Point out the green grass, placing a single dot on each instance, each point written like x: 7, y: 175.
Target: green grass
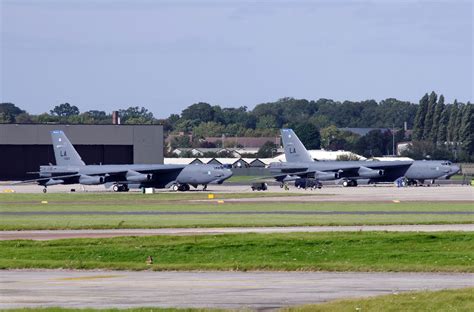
x: 132, y: 197
x: 460, y: 177
x: 208, y: 221
x: 103, y: 221
x: 359, y: 251
x: 446, y: 300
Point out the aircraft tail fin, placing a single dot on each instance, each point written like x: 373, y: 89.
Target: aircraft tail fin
x: 294, y: 149
x: 64, y: 152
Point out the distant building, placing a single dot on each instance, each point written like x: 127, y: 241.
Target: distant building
x: 326, y: 155
x: 235, y: 152
x: 402, y: 147
x: 391, y: 158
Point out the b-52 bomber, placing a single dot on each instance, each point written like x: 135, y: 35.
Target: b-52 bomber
x: 70, y: 169
x: 299, y: 165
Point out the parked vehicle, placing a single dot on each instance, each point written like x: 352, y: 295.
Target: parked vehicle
x: 259, y: 186
x: 308, y: 183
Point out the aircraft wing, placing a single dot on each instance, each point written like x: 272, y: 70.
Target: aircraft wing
x: 47, y: 178
x: 123, y: 170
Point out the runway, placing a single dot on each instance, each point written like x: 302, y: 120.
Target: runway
x: 233, y: 290
x: 63, y: 234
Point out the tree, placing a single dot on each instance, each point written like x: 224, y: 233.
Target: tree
x: 419, y: 122
x: 181, y: 141
x: 439, y: 108
x: 308, y: 134
x: 65, y: 110
x: 208, y: 129
x: 373, y: 144
x: 451, y: 133
x: 8, y: 112
x: 332, y: 138
x: 466, y: 132
x: 419, y: 150
x: 267, y: 150
x: 429, y: 116
x: 201, y: 112
x: 136, y: 115
x: 443, y: 126
x: 23, y: 118
x: 266, y: 122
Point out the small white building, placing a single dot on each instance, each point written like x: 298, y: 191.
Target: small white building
x: 324, y: 155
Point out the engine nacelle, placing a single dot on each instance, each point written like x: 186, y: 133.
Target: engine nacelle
x: 368, y: 173
x: 325, y: 176
x: 91, y: 180
x: 54, y: 182
x: 134, y: 176
x: 139, y: 178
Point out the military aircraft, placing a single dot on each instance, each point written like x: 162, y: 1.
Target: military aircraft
x: 300, y: 165
x: 70, y: 169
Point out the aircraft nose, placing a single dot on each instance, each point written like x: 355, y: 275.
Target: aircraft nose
x: 455, y: 169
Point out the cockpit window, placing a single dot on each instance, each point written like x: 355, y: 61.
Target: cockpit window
x: 446, y: 163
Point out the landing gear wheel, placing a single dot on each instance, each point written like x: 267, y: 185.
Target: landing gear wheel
x: 183, y: 187
x: 345, y: 183
x: 45, y: 190
x: 115, y: 188
x: 175, y: 187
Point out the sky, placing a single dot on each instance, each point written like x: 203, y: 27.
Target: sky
x: 167, y: 55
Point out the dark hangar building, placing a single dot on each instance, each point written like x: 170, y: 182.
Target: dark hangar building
x: 24, y: 147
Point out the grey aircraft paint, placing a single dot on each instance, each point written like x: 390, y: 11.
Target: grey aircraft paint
x: 300, y: 165
x: 70, y: 169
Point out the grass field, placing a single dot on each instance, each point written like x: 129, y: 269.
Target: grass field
x: 377, y: 251
x: 132, y: 197
x: 90, y: 211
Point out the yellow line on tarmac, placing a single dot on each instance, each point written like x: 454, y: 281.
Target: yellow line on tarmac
x: 92, y: 277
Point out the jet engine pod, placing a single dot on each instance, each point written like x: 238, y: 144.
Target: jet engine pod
x: 325, y: 176
x: 54, y: 182
x: 134, y: 176
x: 91, y: 180
x: 368, y: 173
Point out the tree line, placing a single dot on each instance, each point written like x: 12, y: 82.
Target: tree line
x: 440, y: 130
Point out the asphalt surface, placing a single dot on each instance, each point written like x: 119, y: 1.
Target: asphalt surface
x: 63, y: 234
x: 380, y: 193
x: 234, y: 290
